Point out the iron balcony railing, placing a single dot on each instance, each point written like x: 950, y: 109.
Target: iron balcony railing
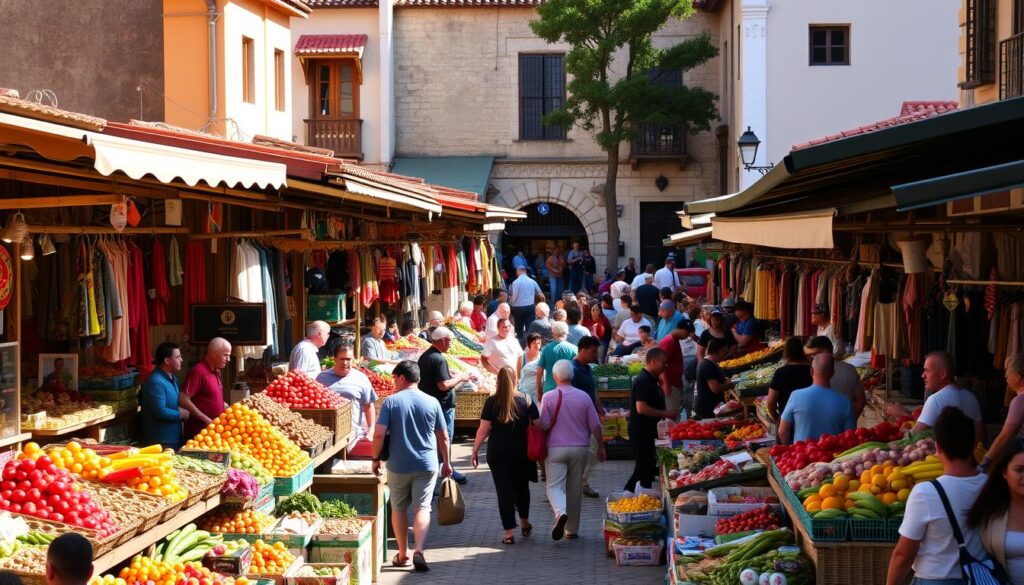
x: 1011, y: 67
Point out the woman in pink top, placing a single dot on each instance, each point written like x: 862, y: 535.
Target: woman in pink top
x: 569, y: 416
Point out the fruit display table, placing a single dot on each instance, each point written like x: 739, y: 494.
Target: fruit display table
x: 375, y: 489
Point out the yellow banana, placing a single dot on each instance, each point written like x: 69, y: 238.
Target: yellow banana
x: 927, y: 476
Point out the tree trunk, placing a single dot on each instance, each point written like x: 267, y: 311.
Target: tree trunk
x: 610, y: 207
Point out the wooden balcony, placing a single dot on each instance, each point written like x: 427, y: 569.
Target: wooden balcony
x: 657, y: 142
x: 1011, y: 67
x: 344, y: 137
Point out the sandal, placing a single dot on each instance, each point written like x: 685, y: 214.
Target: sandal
x: 397, y: 562
x: 527, y: 530
x: 419, y: 563
x: 508, y: 540
x: 571, y: 536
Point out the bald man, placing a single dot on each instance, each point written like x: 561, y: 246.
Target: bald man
x: 203, y: 392
x: 305, y: 355
x: 816, y: 409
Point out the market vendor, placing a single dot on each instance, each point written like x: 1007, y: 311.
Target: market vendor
x: 502, y: 351
x: 373, y: 347
x: 354, y: 385
x: 305, y: 356
x: 160, y: 415
x: 816, y: 410
x: 942, y: 390
x: 437, y: 381
x: 711, y: 381
x: 794, y: 374
x: 822, y: 319
x: 203, y: 394
x: 747, y: 331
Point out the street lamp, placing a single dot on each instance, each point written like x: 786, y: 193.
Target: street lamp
x: 748, y: 144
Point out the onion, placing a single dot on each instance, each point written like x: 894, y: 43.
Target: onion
x: 904, y: 460
x: 859, y: 468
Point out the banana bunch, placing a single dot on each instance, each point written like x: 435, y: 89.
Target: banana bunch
x: 925, y: 470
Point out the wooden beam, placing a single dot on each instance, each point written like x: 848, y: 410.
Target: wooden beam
x: 61, y: 201
x: 249, y: 234
x: 231, y: 201
x: 128, y: 231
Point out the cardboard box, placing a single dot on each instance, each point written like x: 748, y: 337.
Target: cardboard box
x: 279, y: 579
x: 232, y: 565
x: 356, y: 550
x: 638, y: 555
x: 343, y: 579
x: 695, y: 525
x: 296, y: 543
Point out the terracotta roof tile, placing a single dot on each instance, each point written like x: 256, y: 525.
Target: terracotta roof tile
x: 911, y: 111
x: 29, y: 109
x: 329, y: 44
x: 470, y: 3
x: 342, y: 3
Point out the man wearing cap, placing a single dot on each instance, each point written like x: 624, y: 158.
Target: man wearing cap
x: 728, y: 308
x: 523, y: 291
x: 669, y: 317
x: 822, y: 320
x: 746, y: 330
x: 437, y: 381
x: 647, y: 296
x: 667, y: 276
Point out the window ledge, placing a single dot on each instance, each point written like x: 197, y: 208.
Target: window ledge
x: 542, y: 140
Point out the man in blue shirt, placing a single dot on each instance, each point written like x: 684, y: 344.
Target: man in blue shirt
x: 519, y: 261
x: 669, y: 317
x: 416, y: 426
x: 160, y: 413
x: 818, y: 409
x: 583, y: 378
x: 523, y: 294
x: 574, y: 259
x: 746, y: 330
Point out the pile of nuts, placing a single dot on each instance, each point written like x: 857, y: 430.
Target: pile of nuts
x: 29, y: 559
x: 296, y: 427
x: 342, y: 526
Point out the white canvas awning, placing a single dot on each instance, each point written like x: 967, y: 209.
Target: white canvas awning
x: 801, y: 230
x: 687, y: 238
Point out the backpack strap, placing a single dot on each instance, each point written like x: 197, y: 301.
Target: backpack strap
x: 949, y: 513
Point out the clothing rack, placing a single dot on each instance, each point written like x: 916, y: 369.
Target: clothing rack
x: 249, y: 234
x: 108, y: 231
x: 986, y: 282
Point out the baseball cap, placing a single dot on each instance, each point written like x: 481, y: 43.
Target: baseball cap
x: 729, y: 303
x: 441, y: 333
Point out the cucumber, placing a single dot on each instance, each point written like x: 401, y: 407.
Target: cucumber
x: 175, y: 544
x: 195, y: 554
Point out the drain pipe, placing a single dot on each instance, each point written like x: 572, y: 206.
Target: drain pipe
x: 211, y: 23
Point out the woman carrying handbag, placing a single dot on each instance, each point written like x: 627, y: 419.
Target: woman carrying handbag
x: 569, y: 417
x: 504, y: 421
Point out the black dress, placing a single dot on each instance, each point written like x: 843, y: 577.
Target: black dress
x: 511, y: 469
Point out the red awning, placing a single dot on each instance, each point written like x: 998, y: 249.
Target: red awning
x: 329, y: 45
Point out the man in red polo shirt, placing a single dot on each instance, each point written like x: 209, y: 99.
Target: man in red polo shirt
x: 203, y: 392
x: 673, y: 379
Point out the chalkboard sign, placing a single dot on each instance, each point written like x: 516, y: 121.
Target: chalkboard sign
x: 239, y: 323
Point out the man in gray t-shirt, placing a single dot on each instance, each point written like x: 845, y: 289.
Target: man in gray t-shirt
x: 352, y: 384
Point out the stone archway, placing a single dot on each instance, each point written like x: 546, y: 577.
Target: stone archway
x: 585, y: 205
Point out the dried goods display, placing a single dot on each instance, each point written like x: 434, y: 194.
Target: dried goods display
x: 61, y: 410
x: 297, y: 390
x: 242, y: 428
x: 296, y: 427
x: 340, y: 526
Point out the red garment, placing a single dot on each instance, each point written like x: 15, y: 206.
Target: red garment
x: 195, y: 278
x: 453, y: 268
x: 479, y: 320
x: 471, y: 263
x: 990, y: 294
x: 673, y: 360
x: 204, y: 386
x: 599, y: 328
x: 138, y: 315
x: 158, y: 276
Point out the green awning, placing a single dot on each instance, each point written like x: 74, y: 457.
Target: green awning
x: 468, y: 173
x: 971, y: 183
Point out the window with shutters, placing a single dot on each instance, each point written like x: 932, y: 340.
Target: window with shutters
x: 830, y: 45
x: 980, y: 43
x: 541, y: 91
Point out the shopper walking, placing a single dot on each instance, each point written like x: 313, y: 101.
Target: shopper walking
x: 523, y: 291
x: 160, y: 412
x: 570, y: 418
x: 502, y: 351
x: 646, y: 408
x: 203, y: 394
x: 436, y: 380
x: 418, y: 435
x: 1015, y: 415
x: 558, y: 349
x: 666, y: 276
x: 926, y: 541
x: 503, y: 423
x: 305, y: 356
x: 528, y: 379
x: 998, y: 513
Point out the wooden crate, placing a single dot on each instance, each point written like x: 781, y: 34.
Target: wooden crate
x: 469, y: 405
x: 337, y: 420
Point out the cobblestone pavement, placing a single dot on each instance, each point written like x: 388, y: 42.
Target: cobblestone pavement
x: 472, y: 553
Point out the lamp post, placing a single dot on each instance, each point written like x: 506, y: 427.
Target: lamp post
x: 748, y: 144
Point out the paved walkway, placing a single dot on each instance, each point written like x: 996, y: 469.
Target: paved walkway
x: 471, y: 553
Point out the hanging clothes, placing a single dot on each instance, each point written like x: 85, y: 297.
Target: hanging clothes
x: 138, y: 313
x: 174, y: 270
x: 195, y: 278
x: 160, y: 290
x: 247, y: 286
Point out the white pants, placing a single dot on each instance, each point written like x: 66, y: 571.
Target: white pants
x: 591, y: 461
x: 565, y: 467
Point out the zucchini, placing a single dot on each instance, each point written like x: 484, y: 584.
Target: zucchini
x: 174, y: 545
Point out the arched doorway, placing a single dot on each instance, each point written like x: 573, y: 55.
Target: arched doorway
x: 547, y: 225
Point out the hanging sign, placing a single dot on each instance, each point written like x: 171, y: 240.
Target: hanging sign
x: 239, y: 323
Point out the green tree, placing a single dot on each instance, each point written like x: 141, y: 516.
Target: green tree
x: 610, y: 106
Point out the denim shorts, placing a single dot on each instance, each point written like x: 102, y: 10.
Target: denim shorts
x: 416, y: 489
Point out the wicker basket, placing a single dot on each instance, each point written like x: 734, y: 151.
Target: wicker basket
x: 337, y: 420
x: 99, y: 547
x: 126, y: 504
x: 34, y: 556
x: 200, y: 486
x: 469, y: 405
x: 852, y: 563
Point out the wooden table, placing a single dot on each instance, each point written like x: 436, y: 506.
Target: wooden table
x: 331, y: 451
x: 361, y: 484
x: 15, y: 440
x: 734, y: 394
x: 152, y: 536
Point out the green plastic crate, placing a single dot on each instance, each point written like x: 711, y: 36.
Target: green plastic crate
x: 875, y: 530
x: 330, y: 308
x: 286, y: 486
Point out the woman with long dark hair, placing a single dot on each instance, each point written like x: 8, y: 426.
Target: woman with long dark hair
x: 716, y: 328
x: 795, y: 374
x: 998, y: 513
x: 599, y: 327
x: 503, y: 424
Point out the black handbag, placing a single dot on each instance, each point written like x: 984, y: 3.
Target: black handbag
x: 974, y: 572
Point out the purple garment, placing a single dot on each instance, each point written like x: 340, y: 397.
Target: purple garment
x: 576, y: 419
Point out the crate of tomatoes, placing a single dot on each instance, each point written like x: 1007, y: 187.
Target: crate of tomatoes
x: 763, y: 518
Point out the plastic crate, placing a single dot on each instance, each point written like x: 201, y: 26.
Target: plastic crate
x: 119, y: 382
x: 330, y: 308
x: 638, y: 555
x: 632, y: 517
x: 833, y: 530
x: 717, y: 506
x: 286, y: 486
x: 875, y: 530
